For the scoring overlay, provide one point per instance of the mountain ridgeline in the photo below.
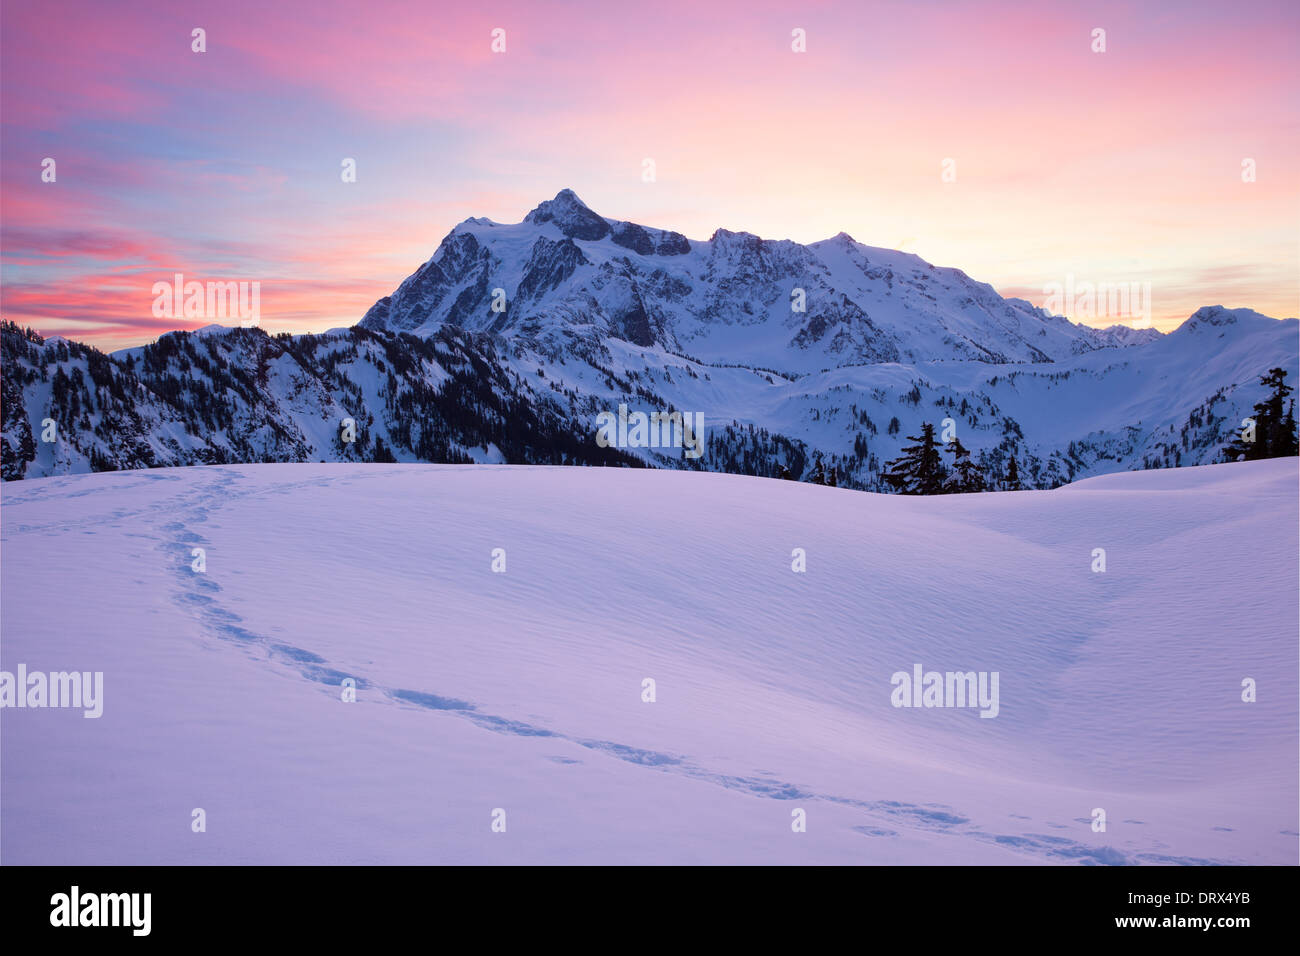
(806, 361)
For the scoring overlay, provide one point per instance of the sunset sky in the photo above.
(1117, 166)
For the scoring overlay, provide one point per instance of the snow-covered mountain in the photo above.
(511, 340)
(567, 275)
(239, 395)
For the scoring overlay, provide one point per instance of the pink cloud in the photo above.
(1118, 163)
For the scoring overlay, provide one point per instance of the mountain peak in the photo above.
(567, 195)
(727, 237)
(1219, 317)
(1214, 315)
(571, 215)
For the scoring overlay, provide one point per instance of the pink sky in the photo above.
(1122, 166)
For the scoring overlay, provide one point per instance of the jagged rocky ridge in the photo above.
(239, 395)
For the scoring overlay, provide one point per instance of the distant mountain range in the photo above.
(511, 339)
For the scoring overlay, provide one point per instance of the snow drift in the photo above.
(524, 690)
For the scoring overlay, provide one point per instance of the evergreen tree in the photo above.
(818, 475)
(965, 476)
(1290, 440)
(1281, 440)
(1012, 481)
(919, 471)
(1275, 431)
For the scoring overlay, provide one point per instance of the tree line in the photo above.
(1271, 433)
(922, 470)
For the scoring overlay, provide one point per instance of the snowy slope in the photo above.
(241, 396)
(458, 395)
(522, 690)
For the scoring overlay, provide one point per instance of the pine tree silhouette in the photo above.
(818, 475)
(1275, 432)
(1012, 481)
(1290, 440)
(965, 476)
(919, 471)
